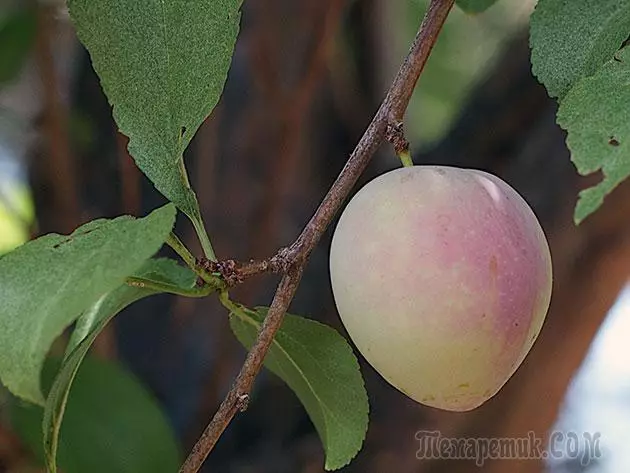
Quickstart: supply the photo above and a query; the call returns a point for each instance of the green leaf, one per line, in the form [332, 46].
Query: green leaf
[475, 6]
[17, 34]
[162, 65]
[162, 271]
[89, 326]
[318, 365]
[595, 115]
[112, 424]
[47, 283]
[572, 39]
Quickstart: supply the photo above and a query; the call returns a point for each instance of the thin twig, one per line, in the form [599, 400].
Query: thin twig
[233, 273]
[295, 257]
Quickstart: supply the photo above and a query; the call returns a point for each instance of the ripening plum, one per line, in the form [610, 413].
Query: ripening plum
[442, 278]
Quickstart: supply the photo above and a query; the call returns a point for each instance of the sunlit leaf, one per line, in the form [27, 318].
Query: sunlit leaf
[47, 283]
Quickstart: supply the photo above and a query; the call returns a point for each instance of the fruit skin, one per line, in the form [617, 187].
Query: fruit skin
[442, 277]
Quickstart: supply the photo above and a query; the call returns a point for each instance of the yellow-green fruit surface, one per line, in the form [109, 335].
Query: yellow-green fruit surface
[442, 277]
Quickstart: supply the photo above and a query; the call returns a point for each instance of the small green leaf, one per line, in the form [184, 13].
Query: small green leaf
[17, 34]
[89, 326]
[475, 6]
[572, 39]
[318, 365]
[162, 65]
[595, 115]
[112, 424]
[47, 283]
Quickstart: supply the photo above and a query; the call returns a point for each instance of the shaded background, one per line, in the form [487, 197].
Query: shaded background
[305, 81]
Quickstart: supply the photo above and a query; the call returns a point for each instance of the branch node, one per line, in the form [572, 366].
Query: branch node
[395, 134]
[242, 402]
[282, 261]
[227, 269]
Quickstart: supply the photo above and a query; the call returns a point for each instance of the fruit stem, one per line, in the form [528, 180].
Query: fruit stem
[405, 158]
[395, 134]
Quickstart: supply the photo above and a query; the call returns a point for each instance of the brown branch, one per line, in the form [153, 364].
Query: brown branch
[235, 272]
[295, 257]
[238, 397]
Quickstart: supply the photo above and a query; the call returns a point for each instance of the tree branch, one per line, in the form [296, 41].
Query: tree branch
[390, 113]
[294, 258]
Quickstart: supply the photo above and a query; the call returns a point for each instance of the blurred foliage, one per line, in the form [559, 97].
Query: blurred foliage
[82, 130]
[18, 27]
[463, 54]
[17, 34]
[112, 424]
[475, 6]
[16, 215]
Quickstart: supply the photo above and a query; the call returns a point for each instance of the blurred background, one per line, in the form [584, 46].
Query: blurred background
[306, 78]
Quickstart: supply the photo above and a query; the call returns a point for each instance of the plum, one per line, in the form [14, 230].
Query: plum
[442, 278]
